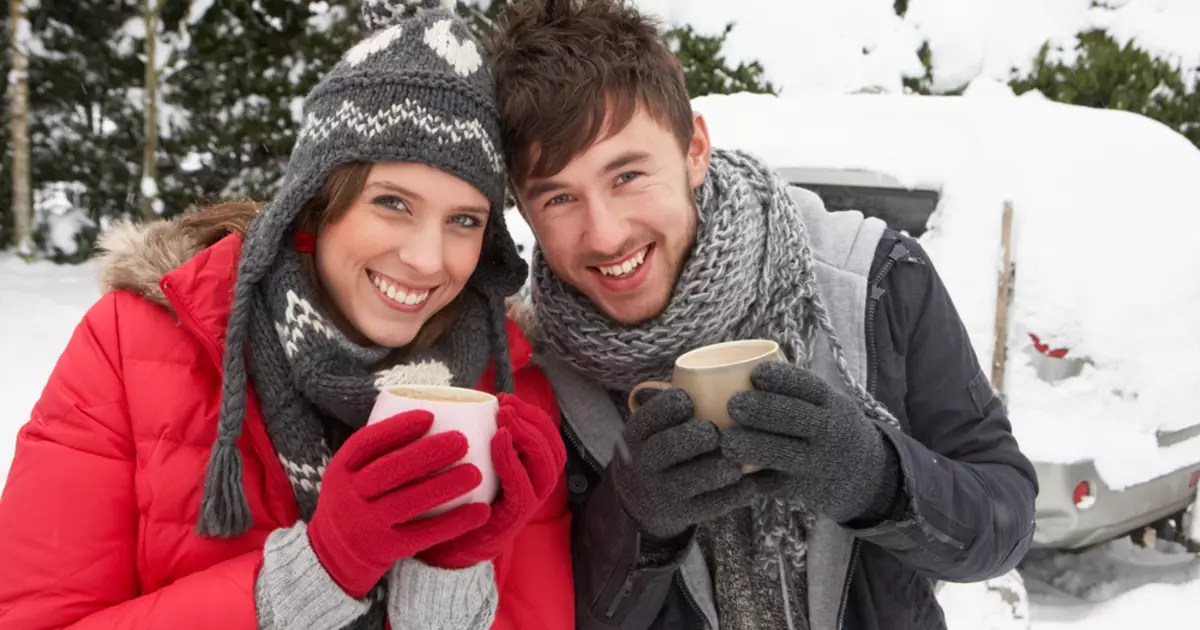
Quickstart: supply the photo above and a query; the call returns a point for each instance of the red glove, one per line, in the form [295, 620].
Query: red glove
[380, 479]
[528, 456]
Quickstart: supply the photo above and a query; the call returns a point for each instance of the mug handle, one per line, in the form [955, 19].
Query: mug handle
[633, 405]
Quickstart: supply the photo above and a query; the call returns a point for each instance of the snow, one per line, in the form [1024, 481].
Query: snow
[522, 235]
[1105, 218]
[822, 47]
[999, 604]
[325, 17]
[1151, 606]
[197, 9]
[55, 207]
[40, 304]
[193, 161]
[1113, 587]
[149, 187]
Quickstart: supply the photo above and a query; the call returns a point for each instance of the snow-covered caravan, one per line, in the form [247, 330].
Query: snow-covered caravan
[1101, 352]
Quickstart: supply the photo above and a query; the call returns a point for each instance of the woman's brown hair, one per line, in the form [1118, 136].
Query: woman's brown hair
[343, 186]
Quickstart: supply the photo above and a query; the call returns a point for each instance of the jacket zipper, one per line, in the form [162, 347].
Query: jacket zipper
[625, 590]
[575, 442]
[899, 253]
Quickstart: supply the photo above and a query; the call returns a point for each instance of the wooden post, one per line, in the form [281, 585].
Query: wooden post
[1004, 292]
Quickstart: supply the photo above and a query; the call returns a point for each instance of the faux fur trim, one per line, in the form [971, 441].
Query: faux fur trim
[136, 256]
[521, 312]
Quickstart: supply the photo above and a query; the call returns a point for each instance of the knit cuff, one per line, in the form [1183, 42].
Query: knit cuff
[429, 598]
[884, 502]
[294, 591]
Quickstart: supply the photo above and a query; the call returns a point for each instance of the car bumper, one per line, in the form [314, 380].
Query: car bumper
[1061, 525]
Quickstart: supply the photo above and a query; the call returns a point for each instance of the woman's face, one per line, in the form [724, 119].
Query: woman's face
[402, 251]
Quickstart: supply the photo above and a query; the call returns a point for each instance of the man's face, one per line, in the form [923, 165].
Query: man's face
[617, 223]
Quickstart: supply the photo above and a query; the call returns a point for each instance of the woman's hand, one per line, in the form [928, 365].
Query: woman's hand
[383, 476]
[529, 456]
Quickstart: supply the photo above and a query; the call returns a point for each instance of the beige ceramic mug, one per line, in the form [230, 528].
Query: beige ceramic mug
[713, 374]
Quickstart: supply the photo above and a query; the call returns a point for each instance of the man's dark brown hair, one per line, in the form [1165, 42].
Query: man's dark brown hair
[567, 71]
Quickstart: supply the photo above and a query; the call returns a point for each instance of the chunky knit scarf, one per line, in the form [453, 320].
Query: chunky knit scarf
[750, 275]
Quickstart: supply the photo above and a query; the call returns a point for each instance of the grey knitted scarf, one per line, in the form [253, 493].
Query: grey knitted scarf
[315, 385]
[750, 275]
[313, 382]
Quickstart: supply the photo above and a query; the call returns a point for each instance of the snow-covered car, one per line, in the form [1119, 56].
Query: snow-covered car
[1098, 358]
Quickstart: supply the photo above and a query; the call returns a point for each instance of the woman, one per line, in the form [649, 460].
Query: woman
[199, 456]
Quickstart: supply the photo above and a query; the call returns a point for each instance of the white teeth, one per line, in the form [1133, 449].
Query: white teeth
[626, 267]
[398, 294]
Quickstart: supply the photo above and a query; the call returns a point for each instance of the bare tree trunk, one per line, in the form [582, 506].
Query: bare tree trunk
[22, 200]
[151, 11]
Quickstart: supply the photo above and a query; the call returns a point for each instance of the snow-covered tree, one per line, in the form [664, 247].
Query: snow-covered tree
[705, 69]
[86, 122]
[233, 103]
[1106, 74]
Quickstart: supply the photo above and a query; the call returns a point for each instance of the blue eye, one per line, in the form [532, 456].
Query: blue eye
[558, 199]
[628, 176]
[466, 221]
[391, 202]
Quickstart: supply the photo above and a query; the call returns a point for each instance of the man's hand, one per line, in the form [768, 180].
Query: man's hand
[814, 444]
[676, 476]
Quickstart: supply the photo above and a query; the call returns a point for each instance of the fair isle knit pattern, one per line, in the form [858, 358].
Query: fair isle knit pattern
[309, 376]
[409, 92]
[349, 118]
[750, 275]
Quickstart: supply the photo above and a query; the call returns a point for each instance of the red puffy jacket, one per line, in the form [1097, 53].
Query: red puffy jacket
[97, 519]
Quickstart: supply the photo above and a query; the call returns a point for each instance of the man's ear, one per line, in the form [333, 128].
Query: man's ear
[699, 151]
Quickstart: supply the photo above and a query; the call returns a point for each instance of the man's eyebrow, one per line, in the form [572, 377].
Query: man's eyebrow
[625, 159]
[543, 186]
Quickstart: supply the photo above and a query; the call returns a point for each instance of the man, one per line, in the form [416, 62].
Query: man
[887, 462]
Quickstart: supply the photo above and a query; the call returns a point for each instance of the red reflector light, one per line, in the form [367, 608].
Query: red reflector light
[1083, 496]
[1195, 480]
[1056, 353]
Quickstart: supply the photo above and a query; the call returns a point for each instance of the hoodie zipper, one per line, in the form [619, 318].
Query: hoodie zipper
[898, 254]
[786, 589]
[701, 622]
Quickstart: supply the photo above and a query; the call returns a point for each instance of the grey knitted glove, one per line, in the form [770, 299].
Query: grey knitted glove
[676, 476]
[814, 443]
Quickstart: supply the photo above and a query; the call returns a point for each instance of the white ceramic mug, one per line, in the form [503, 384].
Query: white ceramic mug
[471, 412]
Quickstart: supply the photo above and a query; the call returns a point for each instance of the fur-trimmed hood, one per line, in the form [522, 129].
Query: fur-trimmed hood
[136, 257]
